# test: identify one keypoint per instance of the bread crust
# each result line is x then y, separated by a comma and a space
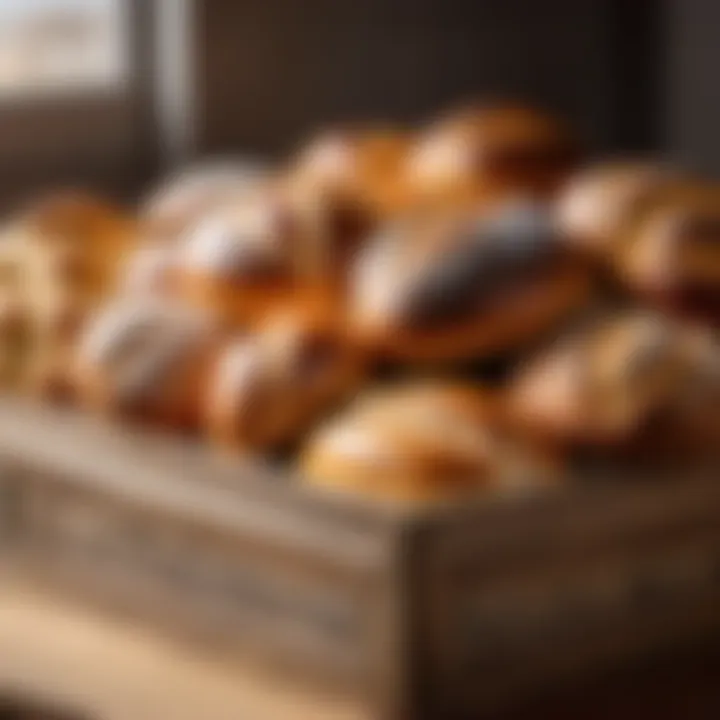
267, 389
422, 443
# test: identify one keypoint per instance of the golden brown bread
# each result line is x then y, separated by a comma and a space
338, 189
78, 219
358, 166
239, 262
457, 287
63, 254
616, 384
69, 249
189, 194
268, 388
273, 247
670, 255
331, 229
146, 359
596, 206
422, 443
485, 153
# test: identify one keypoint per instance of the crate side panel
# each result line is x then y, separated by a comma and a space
245, 565
515, 599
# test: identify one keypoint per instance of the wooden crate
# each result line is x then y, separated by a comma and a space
455, 611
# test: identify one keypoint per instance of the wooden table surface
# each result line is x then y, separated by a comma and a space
100, 668
112, 670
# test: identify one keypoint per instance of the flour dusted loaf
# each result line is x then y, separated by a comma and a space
267, 389
453, 287
146, 359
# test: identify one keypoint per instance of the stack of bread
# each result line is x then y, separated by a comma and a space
349, 310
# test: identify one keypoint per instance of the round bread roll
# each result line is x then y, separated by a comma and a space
447, 288
240, 262
356, 170
71, 249
487, 153
147, 359
670, 256
66, 252
268, 388
422, 443
611, 385
73, 240
338, 189
189, 194
596, 206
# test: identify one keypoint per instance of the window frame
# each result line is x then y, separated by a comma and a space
121, 137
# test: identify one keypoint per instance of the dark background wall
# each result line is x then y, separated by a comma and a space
633, 75
270, 72
692, 103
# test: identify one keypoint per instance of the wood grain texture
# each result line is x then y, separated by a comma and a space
110, 670
444, 611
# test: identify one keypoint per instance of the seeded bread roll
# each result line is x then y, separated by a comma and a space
447, 288
146, 359
269, 388
422, 443
486, 154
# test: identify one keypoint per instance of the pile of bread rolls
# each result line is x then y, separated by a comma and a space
466, 308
